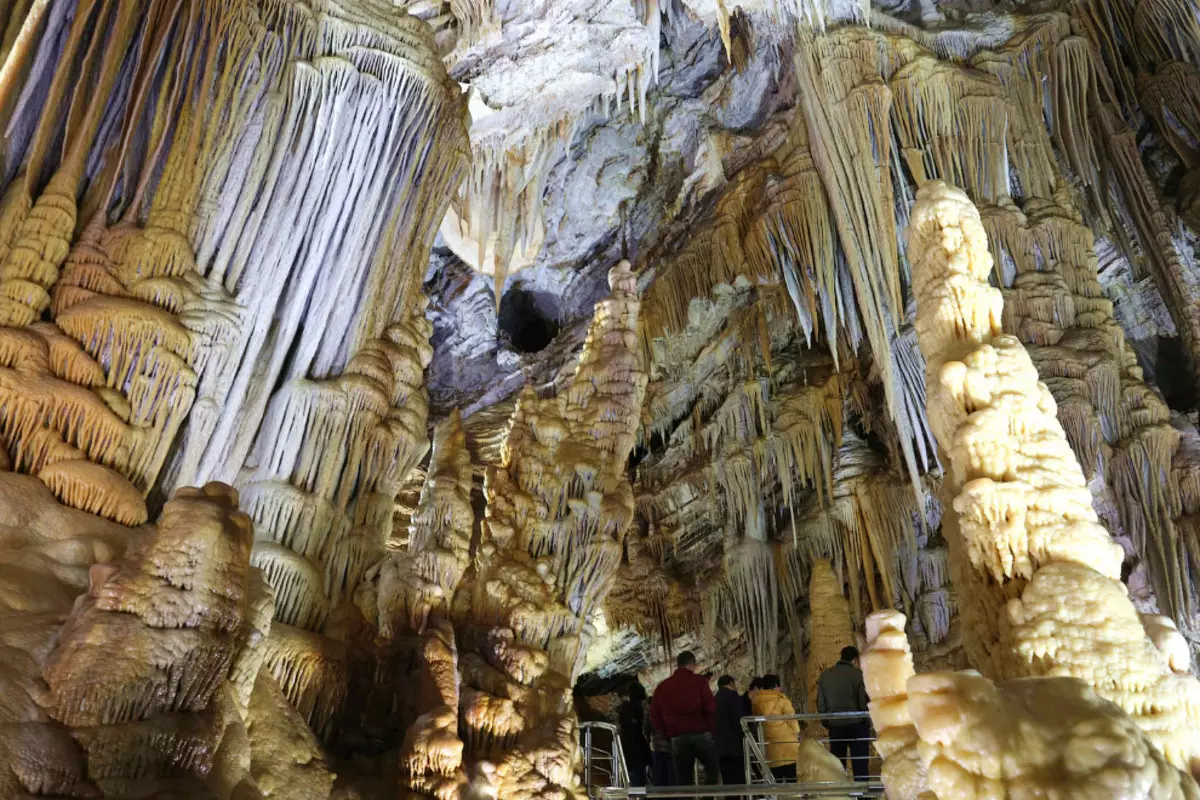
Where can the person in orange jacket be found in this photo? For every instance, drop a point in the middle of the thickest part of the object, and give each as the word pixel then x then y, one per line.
pixel 782 737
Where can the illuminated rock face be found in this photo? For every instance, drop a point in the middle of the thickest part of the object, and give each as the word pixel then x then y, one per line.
pixel 267 244
pixel 1037 573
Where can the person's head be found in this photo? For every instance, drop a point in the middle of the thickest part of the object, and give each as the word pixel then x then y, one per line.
pixel 769 682
pixel 634 691
pixel 850 655
pixel 725 682
pixel 755 685
pixel 686 660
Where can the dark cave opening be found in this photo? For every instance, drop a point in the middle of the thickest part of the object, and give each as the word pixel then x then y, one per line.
pixel 1173 372
pixel 527 318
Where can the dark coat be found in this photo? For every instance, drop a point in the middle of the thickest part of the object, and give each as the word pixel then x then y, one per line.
pixel 631 719
pixel 729 723
pixel 841 688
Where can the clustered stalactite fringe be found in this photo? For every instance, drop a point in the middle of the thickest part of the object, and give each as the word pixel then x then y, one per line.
pixel 1037 575
pixel 348 79
pixel 421 581
pixel 331 461
pixel 648 598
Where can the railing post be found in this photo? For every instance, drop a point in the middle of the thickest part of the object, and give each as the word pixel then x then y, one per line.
pixel 587 758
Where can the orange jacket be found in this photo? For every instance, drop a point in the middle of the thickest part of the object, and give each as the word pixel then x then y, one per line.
pixel 782 736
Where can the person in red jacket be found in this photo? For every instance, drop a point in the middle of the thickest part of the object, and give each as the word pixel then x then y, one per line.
pixel 685 711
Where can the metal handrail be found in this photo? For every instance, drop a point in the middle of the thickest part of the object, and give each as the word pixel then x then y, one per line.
pixel 618 772
pixel 753 750
pixel 806 717
pixel 752 753
pixel 780 790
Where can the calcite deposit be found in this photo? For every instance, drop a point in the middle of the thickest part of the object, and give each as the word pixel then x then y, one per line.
pixel 518 346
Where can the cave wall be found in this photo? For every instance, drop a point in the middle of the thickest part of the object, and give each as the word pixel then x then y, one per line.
pixel 516 344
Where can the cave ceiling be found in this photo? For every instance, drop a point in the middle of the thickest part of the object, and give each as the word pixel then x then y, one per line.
pixel 518 345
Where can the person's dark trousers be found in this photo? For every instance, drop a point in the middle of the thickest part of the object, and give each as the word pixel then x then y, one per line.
pixel 785 773
pixel 690 748
pixel 733 770
pixel 852 740
pixel 662 769
pixel 637 774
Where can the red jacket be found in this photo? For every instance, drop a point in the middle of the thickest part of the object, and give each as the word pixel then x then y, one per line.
pixel 683 703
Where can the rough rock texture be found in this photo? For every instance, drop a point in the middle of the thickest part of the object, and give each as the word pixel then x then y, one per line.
pixel 636 269
pixel 1039 571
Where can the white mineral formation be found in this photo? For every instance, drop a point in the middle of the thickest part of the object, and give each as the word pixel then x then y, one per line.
pixel 1037 574
pixel 558 509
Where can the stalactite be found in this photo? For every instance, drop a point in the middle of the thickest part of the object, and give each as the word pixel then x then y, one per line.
pixel 40 242
pixel 415 584
pixel 1172 97
pixel 750 595
pixel 376 225
pixel 847 109
pixel 96 489
pixel 311 671
pixel 649 599
pixel 330 461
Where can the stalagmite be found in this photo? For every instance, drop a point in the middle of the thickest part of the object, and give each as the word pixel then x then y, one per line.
pixel 432 753
pixel 269 242
pixel 180 598
pixel 161 705
pixel 287 759
pixel 830 624
pixel 558 509
pixel 1037 576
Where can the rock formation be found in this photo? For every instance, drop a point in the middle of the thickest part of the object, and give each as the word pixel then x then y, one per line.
pixel 1041 575
pixel 542 341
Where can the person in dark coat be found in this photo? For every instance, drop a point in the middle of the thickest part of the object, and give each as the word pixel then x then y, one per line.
pixel 730 711
pixel 748 711
pixel 631 723
pixel 840 688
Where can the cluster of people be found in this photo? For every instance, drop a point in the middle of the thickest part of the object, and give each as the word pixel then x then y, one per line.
pixel 686 724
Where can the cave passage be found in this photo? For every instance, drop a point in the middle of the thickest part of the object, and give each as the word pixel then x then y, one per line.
pixel 527 320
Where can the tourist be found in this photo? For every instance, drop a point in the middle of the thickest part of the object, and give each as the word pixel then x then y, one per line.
pixel 748 697
pixel 684 709
pixel 729 732
pixel 631 718
pixel 841 689
pixel 662 763
pixel 782 736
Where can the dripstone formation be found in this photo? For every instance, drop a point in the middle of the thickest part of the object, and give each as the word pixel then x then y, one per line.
pixel 516 347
